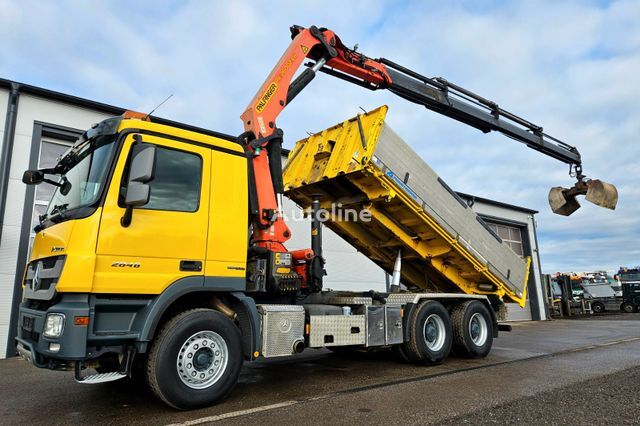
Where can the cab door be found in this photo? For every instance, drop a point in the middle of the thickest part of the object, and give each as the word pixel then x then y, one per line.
pixel 167 237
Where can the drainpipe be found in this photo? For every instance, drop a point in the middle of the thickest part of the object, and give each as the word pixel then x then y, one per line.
pixel 7 148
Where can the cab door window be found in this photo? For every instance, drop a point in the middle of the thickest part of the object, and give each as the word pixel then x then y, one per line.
pixel 177 181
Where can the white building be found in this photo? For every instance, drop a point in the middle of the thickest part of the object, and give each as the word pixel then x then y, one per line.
pixel 40 124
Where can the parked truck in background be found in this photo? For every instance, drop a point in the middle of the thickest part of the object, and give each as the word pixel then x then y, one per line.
pixel 629 279
pixel 600 294
pixel 162 250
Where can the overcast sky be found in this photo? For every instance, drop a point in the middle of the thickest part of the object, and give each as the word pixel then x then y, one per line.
pixel 572 67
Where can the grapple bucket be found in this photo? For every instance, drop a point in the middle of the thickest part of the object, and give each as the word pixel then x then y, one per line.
pixel 563 201
pixel 602 194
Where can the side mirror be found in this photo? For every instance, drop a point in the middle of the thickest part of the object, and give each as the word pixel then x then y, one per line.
pixel 141 172
pixel 35 177
pixel 65 186
pixel 32 177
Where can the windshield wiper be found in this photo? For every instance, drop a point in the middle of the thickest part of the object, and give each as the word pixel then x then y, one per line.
pixel 58 211
pixel 40 226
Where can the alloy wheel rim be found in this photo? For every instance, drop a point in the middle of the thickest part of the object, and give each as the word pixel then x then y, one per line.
pixel 434 332
pixel 478 329
pixel 202 359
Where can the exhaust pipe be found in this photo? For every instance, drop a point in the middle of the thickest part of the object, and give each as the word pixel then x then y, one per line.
pixel 563 200
pixel 298 346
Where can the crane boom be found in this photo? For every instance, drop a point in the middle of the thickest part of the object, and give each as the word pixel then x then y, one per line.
pixel 439 95
pixel 329 55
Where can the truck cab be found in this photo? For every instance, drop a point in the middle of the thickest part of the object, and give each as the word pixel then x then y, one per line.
pixel 101 259
pixel 629 279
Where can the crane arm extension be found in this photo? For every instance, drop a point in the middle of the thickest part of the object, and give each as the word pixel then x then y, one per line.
pixel 439 95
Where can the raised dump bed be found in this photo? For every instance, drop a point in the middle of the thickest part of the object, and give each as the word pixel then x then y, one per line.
pixel 362 164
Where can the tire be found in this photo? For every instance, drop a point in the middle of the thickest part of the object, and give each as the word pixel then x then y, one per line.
pixel 430 334
pixel 472 329
pixel 628 307
pixel 597 308
pixel 195 335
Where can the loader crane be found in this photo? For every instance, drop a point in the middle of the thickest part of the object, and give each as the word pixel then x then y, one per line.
pixel 144 264
pixel 329 55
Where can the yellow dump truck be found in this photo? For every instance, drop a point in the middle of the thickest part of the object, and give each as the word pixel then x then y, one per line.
pixel 162 251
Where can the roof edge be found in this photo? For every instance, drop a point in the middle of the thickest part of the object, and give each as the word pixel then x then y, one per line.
pixel 470 197
pixel 102 107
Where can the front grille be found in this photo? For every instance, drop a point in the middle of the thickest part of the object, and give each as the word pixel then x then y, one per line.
pixel 41 305
pixel 41 277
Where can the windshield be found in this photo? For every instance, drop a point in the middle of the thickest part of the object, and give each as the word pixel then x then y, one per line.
pixel 626 276
pixel 86 173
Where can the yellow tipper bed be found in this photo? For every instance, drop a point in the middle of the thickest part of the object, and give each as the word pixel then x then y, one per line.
pixel 362 164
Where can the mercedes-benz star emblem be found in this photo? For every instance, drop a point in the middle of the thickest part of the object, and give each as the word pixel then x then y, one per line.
pixel 35 283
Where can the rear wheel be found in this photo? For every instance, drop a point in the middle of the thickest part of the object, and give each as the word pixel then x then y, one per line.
pixel 430 334
pixel 472 329
pixel 628 307
pixel 195 360
pixel 597 307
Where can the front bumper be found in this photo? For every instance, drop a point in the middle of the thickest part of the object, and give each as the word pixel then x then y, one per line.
pixel 115 324
pixel 36 348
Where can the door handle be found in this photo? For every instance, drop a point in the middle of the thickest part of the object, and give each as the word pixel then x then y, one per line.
pixel 191 265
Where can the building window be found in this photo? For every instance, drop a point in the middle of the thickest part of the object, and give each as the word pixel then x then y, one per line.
pixel 50 151
pixel 511 236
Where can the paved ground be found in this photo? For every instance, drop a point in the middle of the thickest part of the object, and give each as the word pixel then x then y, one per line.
pixel 548 372
pixel 609 399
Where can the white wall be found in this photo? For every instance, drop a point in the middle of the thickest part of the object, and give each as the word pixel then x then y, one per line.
pixel 30 109
pixel 522 217
pixel 5 294
pixel 347 269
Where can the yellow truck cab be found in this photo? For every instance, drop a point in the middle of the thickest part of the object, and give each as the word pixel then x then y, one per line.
pixel 102 274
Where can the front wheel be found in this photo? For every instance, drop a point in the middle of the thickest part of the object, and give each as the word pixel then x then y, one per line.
pixel 597 308
pixel 195 360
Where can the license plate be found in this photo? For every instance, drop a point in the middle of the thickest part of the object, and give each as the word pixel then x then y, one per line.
pixel 27 323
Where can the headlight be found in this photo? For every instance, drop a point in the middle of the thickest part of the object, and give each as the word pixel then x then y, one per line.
pixel 54 325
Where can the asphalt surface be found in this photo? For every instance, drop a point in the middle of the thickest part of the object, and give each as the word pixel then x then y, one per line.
pixel 545 373
pixel 607 399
